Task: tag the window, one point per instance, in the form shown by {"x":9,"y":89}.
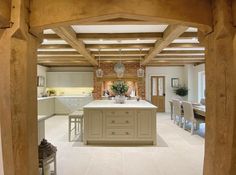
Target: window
{"x":201,"y":85}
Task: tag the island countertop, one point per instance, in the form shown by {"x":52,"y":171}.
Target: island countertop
{"x":112,"y":104}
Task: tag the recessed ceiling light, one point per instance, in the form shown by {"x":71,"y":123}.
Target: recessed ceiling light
{"x":138,"y":39}
{"x":101,"y":40}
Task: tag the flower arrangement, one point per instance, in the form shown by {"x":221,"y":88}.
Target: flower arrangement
{"x":181,"y":91}
{"x":119,"y":88}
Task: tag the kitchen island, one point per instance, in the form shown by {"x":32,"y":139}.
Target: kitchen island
{"x":106,"y":122}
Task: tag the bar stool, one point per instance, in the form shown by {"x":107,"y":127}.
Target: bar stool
{"x":76,"y":119}
{"x":47,"y":155}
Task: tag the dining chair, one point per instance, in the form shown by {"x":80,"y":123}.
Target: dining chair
{"x":177,"y":111}
{"x":189,"y":116}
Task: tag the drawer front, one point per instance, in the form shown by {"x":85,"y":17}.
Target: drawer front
{"x":119,"y":133}
{"x":119,"y":113}
{"x":119,"y":121}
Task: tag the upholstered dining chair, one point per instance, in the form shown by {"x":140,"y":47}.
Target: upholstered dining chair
{"x":189,"y":116}
{"x":177,"y":112}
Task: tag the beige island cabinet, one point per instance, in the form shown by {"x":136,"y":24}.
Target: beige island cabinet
{"x":106,"y":122}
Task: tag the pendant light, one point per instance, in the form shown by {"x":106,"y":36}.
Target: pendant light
{"x":140,"y":71}
{"x":99,"y":71}
{"x":119,"y":68}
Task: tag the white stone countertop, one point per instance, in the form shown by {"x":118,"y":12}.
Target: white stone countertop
{"x":42,"y":117}
{"x":111,"y":104}
{"x":64,"y":96}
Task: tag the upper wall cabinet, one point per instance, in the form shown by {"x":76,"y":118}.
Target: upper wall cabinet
{"x":69,"y":79}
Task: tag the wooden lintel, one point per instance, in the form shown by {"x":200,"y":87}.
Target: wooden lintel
{"x":68,"y":34}
{"x":121,"y":36}
{"x":170,"y":34}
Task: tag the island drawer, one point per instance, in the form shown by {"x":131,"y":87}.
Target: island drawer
{"x":119,"y":121}
{"x":125,"y":112}
{"x":119,"y":133}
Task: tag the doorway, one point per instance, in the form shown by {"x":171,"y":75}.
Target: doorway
{"x":158,"y":92}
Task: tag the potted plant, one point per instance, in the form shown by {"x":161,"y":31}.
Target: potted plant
{"x":119,"y":88}
{"x":181,"y":91}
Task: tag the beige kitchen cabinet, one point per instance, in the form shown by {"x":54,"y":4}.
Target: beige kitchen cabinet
{"x":69,"y":79}
{"x":95,"y":124}
{"x":133,"y":122}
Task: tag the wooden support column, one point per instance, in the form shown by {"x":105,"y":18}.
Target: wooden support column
{"x":220,"y":145}
{"x":18,"y":104}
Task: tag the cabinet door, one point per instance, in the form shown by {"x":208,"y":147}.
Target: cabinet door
{"x":144,"y":121}
{"x":93,"y":124}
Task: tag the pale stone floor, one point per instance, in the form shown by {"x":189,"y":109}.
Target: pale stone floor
{"x":177,"y":153}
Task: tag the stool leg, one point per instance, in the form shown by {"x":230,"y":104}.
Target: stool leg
{"x":82,"y":129}
{"x":55,"y":165}
{"x":69,"y":133}
{"x":75,"y":126}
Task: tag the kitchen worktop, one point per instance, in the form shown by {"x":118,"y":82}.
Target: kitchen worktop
{"x":64,"y":96}
{"x":112,"y":104}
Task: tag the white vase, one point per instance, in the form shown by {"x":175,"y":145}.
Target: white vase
{"x":120,"y":99}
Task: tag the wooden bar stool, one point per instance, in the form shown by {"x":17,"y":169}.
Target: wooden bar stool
{"x":76,"y":119}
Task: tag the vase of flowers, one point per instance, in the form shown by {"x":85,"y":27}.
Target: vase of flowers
{"x":119,"y":88}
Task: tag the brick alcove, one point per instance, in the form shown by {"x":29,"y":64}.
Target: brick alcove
{"x":110,"y":75}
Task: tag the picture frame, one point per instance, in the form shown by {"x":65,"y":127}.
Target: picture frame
{"x":40,"y":81}
{"x":175,"y":82}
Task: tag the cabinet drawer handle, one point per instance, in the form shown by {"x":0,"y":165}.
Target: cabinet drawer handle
{"x":127,"y":133}
{"x":113,"y":121}
{"x":127,"y":112}
{"x":127,"y":121}
{"x":113,"y":133}
{"x":113,"y":112}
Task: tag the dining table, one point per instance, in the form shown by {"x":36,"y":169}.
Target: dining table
{"x":198,"y":109}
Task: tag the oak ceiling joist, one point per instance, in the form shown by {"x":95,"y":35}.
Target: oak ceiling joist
{"x":68,"y":34}
{"x":116,"y":53}
{"x":120,"y":46}
{"x":170,"y":34}
{"x":121,"y":36}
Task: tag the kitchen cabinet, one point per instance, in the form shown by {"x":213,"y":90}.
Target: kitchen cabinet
{"x":69,"y":79}
{"x":67,"y":104}
{"x":107,"y":122}
{"x":46,"y":106}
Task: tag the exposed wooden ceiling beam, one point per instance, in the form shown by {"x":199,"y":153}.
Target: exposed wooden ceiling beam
{"x":170,"y":34}
{"x":58,"y":53}
{"x":180,"y":57}
{"x":118,"y":46}
{"x":173,"y":52}
{"x":121,"y":36}
{"x":69,"y":35}
{"x":121,"y":46}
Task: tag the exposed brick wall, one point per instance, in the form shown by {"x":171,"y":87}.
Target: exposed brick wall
{"x":109,"y":74}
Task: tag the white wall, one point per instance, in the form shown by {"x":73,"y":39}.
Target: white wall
{"x":189,"y":81}
{"x":168,"y":72}
{"x":41,"y":71}
{"x":196,"y":70}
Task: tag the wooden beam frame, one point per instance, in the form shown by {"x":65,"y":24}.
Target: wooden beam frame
{"x":90,"y":11}
{"x":121,"y":36}
{"x":5,"y":11}
{"x":170,"y":34}
{"x":68,"y":34}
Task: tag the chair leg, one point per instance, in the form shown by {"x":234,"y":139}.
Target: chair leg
{"x":192,"y":128}
{"x":180,"y":121}
{"x":184,"y":124}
